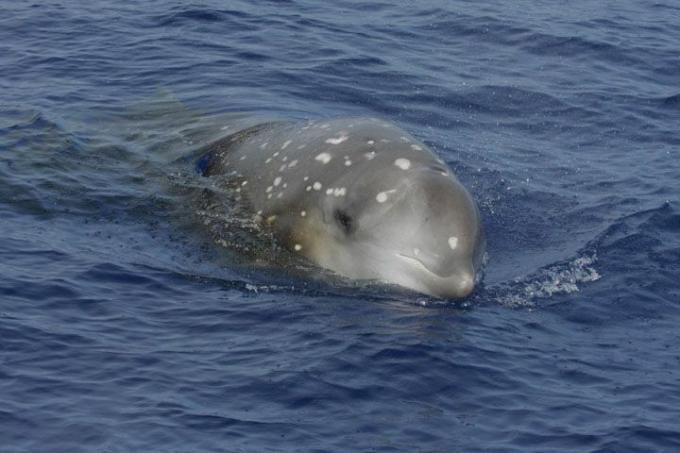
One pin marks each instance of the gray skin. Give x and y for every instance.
(359, 197)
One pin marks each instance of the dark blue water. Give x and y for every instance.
(122, 329)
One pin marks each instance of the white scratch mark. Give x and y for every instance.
(382, 196)
(324, 158)
(453, 242)
(337, 140)
(402, 163)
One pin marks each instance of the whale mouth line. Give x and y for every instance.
(415, 261)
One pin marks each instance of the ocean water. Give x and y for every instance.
(123, 328)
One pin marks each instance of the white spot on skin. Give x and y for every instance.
(275, 154)
(339, 192)
(285, 158)
(370, 142)
(416, 251)
(301, 146)
(306, 178)
(269, 189)
(298, 247)
(316, 185)
(370, 156)
(324, 158)
(271, 219)
(277, 180)
(337, 140)
(279, 195)
(416, 147)
(244, 183)
(292, 163)
(348, 163)
(264, 145)
(285, 184)
(329, 191)
(282, 167)
(303, 213)
(308, 188)
(403, 139)
(269, 159)
(285, 144)
(382, 196)
(453, 242)
(402, 163)
(243, 158)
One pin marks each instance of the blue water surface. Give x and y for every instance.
(123, 329)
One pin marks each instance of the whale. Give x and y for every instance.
(359, 197)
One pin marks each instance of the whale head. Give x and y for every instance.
(419, 229)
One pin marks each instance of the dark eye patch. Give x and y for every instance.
(344, 220)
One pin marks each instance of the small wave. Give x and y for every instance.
(558, 279)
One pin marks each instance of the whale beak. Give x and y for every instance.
(458, 284)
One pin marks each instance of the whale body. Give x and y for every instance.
(359, 197)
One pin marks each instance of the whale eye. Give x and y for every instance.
(344, 220)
